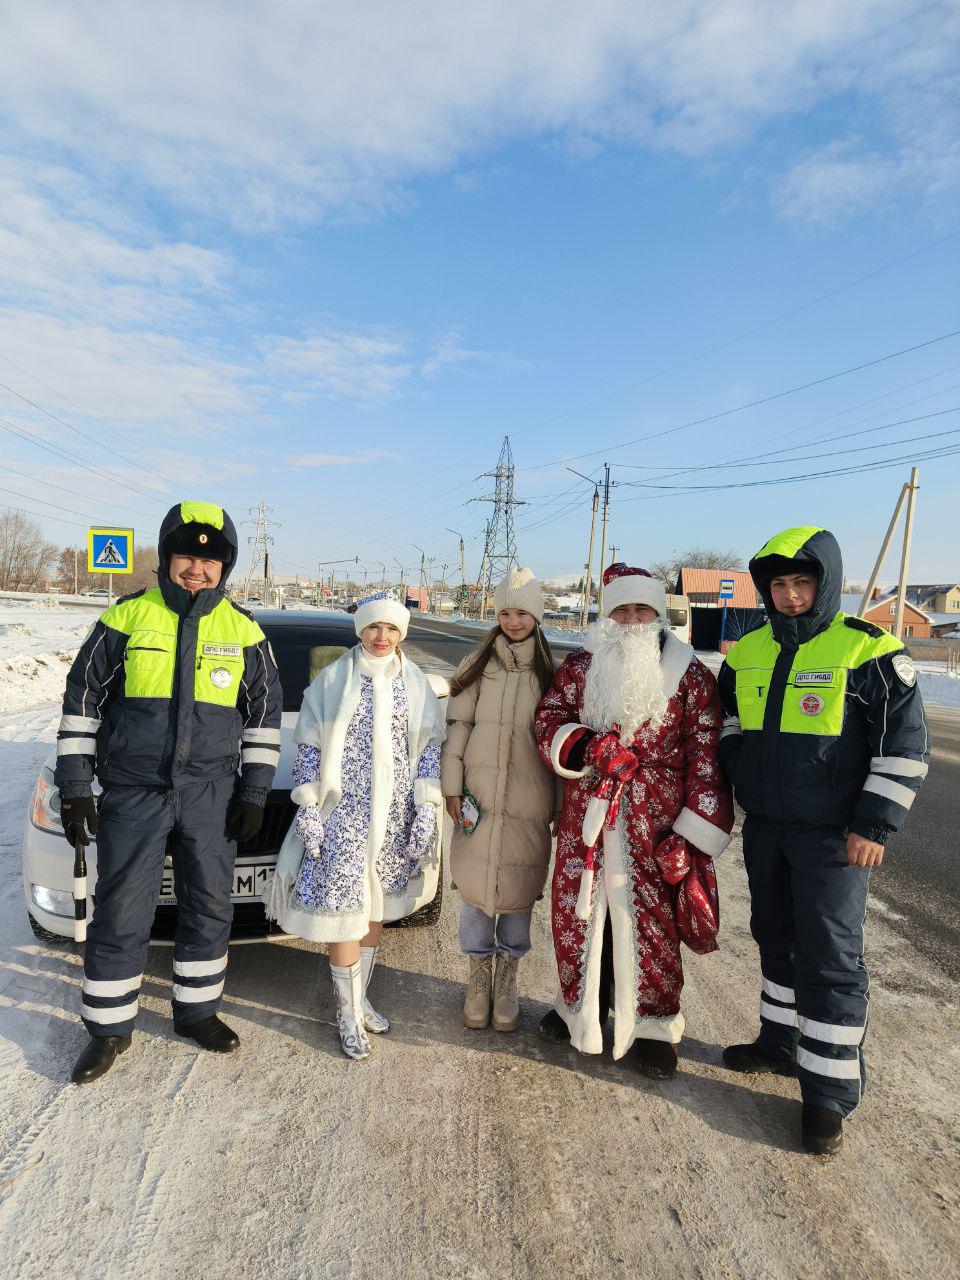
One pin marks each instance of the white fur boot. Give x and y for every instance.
(348, 987)
(372, 1020)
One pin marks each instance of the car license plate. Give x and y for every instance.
(248, 882)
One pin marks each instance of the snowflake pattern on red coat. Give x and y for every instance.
(678, 768)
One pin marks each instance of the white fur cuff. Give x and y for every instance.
(306, 793)
(427, 791)
(556, 746)
(703, 835)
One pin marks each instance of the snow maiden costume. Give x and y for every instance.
(367, 782)
(632, 723)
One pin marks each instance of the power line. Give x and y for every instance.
(7, 426)
(766, 460)
(83, 434)
(48, 484)
(750, 404)
(673, 490)
(747, 333)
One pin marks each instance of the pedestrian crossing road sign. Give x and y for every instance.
(109, 550)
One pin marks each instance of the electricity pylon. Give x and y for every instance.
(500, 544)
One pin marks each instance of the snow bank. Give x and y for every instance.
(940, 687)
(37, 645)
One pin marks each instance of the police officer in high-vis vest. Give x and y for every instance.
(825, 743)
(173, 687)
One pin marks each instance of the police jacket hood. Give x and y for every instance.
(793, 551)
(217, 525)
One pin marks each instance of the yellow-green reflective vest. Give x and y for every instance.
(813, 699)
(150, 656)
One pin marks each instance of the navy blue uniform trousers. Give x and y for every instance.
(807, 907)
(136, 826)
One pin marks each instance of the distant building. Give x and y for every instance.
(882, 611)
(936, 598)
(702, 587)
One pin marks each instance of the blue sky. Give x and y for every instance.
(331, 256)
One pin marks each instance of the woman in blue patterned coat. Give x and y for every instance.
(367, 783)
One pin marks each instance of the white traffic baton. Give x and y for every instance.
(79, 891)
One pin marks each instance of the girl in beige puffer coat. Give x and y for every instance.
(500, 868)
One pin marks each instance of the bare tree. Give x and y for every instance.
(25, 557)
(693, 558)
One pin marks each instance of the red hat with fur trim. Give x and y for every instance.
(624, 585)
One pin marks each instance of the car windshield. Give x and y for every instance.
(302, 653)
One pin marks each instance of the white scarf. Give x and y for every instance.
(328, 707)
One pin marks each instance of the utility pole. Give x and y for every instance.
(422, 557)
(76, 584)
(588, 567)
(403, 589)
(905, 555)
(613, 554)
(463, 572)
(383, 574)
(884, 548)
(603, 535)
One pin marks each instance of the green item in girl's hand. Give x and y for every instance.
(469, 814)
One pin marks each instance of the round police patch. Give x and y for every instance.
(903, 666)
(811, 704)
(221, 677)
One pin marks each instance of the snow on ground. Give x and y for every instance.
(37, 645)
(450, 1153)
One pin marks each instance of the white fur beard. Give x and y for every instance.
(624, 685)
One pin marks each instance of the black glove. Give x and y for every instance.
(244, 820)
(79, 818)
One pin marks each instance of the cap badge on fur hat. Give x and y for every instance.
(203, 539)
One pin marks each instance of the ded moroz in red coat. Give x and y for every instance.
(651, 874)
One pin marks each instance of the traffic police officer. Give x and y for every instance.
(825, 743)
(168, 685)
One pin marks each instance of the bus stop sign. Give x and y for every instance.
(109, 550)
(726, 588)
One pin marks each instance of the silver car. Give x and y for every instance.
(303, 642)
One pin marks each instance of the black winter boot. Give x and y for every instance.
(210, 1033)
(553, 1028)
(656, 1059)
(98, 1057)
(821, 1130)
(750, 1057)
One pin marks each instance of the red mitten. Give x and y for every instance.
(697, 906)
(673, 858)
(611, 759)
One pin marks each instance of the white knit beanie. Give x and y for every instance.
(382, 607)
(519, 590)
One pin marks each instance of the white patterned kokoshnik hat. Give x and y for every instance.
(381, 607)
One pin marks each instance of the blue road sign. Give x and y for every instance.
(109, 550)
(726, 588)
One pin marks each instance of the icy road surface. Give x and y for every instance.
(449, 1153)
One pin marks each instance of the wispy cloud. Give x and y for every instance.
(341, 459)
(272, 116)
(367, 368)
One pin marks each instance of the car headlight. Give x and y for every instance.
(46, 804)
(56, 902)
